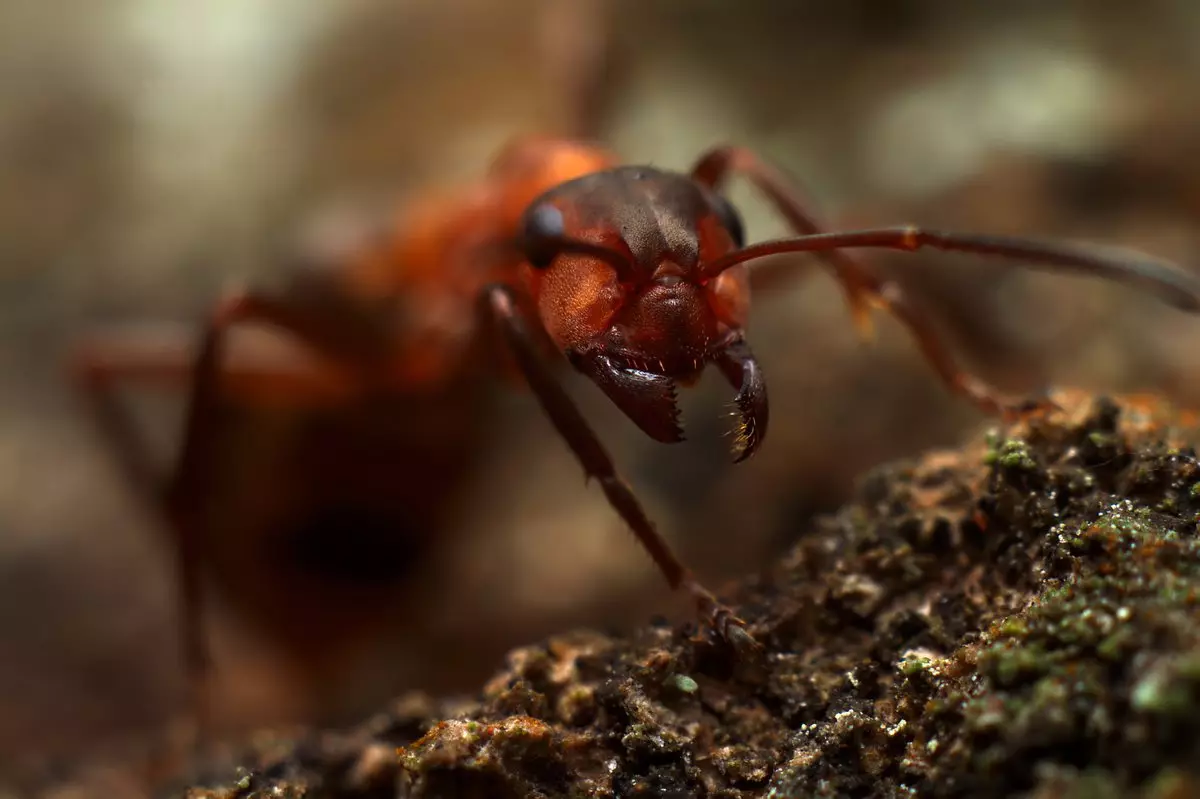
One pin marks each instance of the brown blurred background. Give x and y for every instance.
(150, 153)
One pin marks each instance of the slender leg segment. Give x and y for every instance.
(97, 371)
(977, 391)
(188, 487)
(198, 462)
(864, 289)
(718, 164)
(502, 307)
(178, 500)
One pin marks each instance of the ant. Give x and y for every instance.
(636, 275)
(306, 494)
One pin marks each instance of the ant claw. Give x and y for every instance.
(722, 620)
(1008, 409)
(737, 636)
(1033, 406)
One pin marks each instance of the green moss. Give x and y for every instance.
(1125, 522)
(1170, 688)
(1171, 783)
(914, 665)
(1013, 627)
(1069, 783)
(682, 683)
(1129, 587)
(992, 441)
(1008, 663)
(1014, 454)
(1118, 645)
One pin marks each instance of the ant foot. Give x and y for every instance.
(723, 621)
(1033, 406)
(1008, 409)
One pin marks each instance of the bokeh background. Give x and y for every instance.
(151, 153)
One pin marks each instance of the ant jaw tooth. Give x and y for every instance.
(648, 398)
(675, 412)
(745, 431)
(741, 443)
(750, 404)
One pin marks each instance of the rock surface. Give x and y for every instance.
(1018, 617)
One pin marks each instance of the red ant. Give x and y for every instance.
(637, 275)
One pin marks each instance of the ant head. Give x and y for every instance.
(617, 265)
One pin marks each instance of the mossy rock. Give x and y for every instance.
(1018, 617)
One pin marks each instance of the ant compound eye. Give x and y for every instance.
(543, 228)
(731, 219)
(544, 221)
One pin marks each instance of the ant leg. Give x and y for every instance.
(190, 487)
(864, 290)
(164, 355)
(187, 490)
(97, 368)
(502, 307)
(985, 397)
(98, 364)
(168, 356)
(719, 163)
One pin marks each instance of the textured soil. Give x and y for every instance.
(1017, 617)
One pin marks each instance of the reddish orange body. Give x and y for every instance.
(321, 489)
(437, 255)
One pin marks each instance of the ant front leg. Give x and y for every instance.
(718, 164)
(501, 305)
(864, 290)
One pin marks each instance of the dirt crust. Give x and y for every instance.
(1017, 617)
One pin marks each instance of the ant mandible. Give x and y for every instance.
(637, 275)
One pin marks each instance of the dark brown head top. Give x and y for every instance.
(618, 276)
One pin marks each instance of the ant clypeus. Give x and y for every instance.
(637, 275)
